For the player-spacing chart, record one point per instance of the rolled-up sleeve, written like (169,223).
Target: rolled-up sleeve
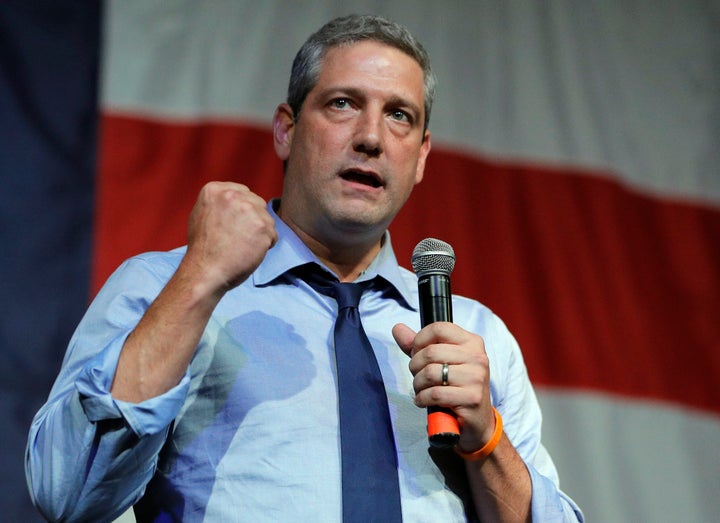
(152,416)
(89,455)
(549,504)
(515,399)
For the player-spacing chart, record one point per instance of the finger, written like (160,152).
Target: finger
(440,332)
(458,375)
(404,337)
(449,397)
(274,237)
(429,376)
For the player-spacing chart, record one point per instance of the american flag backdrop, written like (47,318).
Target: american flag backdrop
(575,170)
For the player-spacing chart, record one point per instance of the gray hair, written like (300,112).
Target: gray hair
(349,30)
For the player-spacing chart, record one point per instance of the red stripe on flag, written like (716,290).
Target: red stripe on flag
(150,173)
(604,288)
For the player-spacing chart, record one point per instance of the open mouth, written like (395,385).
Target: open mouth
(369,179)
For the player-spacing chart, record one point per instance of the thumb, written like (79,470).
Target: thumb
(404,337)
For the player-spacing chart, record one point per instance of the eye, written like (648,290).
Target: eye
(400,116)
(340,103)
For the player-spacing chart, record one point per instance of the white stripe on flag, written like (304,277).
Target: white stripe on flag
(624,460)
(600,87)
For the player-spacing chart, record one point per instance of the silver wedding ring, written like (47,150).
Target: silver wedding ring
(445,373)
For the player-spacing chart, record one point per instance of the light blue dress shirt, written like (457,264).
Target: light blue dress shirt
(251,432)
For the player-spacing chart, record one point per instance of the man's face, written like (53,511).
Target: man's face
(358,147)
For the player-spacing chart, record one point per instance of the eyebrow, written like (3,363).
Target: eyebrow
(354,92)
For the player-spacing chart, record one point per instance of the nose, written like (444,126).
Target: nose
(368,133)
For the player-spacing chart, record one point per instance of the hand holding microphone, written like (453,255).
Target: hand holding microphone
(449,364)
(433,261)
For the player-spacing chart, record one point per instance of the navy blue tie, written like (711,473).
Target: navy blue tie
(370,487)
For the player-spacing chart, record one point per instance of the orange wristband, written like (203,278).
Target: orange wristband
(486,449)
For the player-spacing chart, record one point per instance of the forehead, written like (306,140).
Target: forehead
(373,63)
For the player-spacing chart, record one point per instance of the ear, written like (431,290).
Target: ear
(283,128)
(424,151)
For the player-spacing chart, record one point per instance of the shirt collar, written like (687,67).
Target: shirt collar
(290,252)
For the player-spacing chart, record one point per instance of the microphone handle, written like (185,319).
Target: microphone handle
(436,305)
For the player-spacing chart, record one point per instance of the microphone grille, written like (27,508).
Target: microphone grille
(431,255)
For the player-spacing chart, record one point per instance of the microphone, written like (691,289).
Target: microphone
(433,261)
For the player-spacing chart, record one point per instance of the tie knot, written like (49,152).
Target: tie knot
(347,294)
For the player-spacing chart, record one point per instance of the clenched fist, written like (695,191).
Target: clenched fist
(229,233)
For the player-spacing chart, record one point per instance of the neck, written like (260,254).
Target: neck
(347,257)
(347,261)
(346,252)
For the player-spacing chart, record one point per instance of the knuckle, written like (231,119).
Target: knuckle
(413,367)
(474,399)
(430,353)
(480,358)
(417,385)
(435,394)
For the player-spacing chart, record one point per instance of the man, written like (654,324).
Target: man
(203,380)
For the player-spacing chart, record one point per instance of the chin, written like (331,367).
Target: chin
(362,224)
